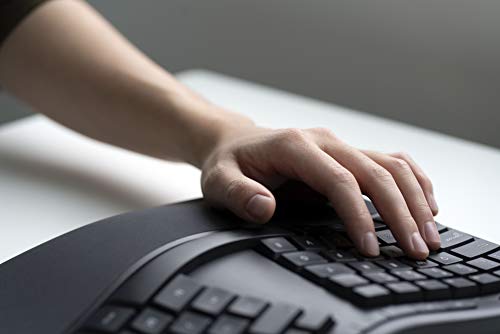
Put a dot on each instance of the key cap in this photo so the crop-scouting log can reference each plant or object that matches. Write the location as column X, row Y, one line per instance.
column 393, row 265
column 435, row 272
column 320, row 272
column 405, row 292
column 445, row 258
column 460, row 269
column 151, row 321
column 495, row 256
column 109, row 319
column 487, row 283
column 434, row 289
column 462, row 287
column 371, row 295
column 296, row 331
column 475, row 248
column 386, row 237
column 408, row 275
column 339, row 241
column 228, row 324
column 249, row 307
column 365, row 266
column 441, row 228
column 340, row 256
column 273, row 247
column 297, row 260
column 212, row 301
column 275, row 319
column 178, row 293
column 190, row 323
column 392, row 251
column 380, row 277
column 308, row 243
column 483, row 264
column 346, row 281
column 419, row 264
column 452, row 238
column 315, row 322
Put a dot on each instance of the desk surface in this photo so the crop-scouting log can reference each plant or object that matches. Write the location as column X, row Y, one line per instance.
column 54, row 180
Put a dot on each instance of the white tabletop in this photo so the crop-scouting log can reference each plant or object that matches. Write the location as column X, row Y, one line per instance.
column 53, row 180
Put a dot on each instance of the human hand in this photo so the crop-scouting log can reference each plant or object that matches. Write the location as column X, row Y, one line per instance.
column 249, row 161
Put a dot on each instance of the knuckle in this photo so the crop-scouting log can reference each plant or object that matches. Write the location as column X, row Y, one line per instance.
column 292, row 135
column 380, row 174
column 213, row 176
column 234, row 188
column 343, row 176
column 425, row 182
column 324, row 132
column 400, row 166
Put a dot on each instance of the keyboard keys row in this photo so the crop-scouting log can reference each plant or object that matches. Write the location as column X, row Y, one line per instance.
column 184, row 306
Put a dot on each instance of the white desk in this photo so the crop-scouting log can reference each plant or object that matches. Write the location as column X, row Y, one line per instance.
column 53, row 180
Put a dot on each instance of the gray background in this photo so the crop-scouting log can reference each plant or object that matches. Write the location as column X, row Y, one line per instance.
column 433, row 63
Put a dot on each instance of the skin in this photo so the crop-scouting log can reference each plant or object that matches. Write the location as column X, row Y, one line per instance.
column 69, row 63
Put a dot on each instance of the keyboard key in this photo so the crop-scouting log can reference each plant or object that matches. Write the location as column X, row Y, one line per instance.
column 487, row 283
column 419, row 264
column 445, row 258
column 151, row 321
column 296, row 331
column 340, row 256
column 308, row 243
column 386, row 237
column 483, row 264
column 495, row 256
column 460, row 269
column 441, row 228
column 452, row 238
column 190, row 323
column 393, row 265
column 338, row 241
column 380, row 277
column 320, row 272
column 475, row 248
column 365, row 266
column 371, row 295
column 228, row 324
column 392, row 251
column 273, row 247
column 462, row 287
column 109, row 319
column 275, row 319
column 347, row 280
column 315, row 322
column 408, row 275
column 435, row 272
column 249, row 307
column 178, row 293
column 405, row 291
column 212, row 301
column 434, row 289
column 297, row 260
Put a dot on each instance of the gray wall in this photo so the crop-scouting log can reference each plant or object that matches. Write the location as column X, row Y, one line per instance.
column 433, row 63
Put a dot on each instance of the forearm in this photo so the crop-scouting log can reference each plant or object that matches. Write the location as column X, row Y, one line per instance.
column 67, row 62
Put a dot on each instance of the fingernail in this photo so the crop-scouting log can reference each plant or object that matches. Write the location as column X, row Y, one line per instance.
column 418, row 244
column 431, row 233
column 370, row 244
column 433, row 203
column 257, row 206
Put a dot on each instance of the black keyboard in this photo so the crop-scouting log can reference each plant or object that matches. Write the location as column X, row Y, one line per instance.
column 186, row 269
column 451, row 279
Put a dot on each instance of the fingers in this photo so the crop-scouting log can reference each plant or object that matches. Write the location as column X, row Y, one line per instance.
column 225, row 186
column 413, row 195
column 307, row 163
column 380, row 186
column 423, row 180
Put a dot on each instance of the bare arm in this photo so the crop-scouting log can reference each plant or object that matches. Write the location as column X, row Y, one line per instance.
column 67, row 62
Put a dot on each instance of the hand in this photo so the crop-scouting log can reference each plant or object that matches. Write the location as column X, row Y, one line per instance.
column 247, row 162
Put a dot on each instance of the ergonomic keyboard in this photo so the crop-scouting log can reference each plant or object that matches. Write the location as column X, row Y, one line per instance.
column 299, row 274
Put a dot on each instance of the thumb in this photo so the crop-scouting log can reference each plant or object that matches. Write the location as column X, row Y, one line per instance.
column 226, row 186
